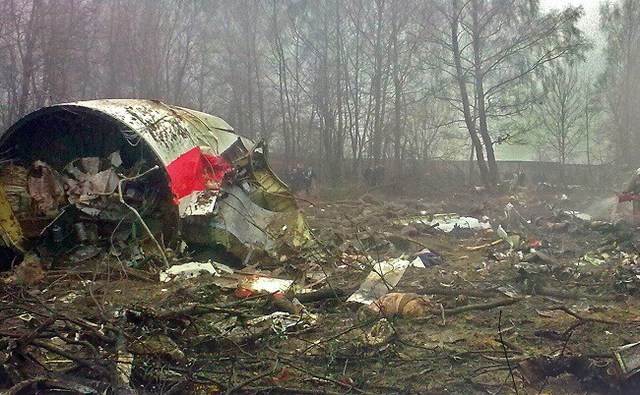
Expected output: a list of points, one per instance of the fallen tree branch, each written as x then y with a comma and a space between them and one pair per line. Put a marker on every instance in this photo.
248, 381
196, 310
24, 340
322, 294
506, 354
543, 291
349, 387
455, 292
581, 318
286, 390
52, 384
69, 356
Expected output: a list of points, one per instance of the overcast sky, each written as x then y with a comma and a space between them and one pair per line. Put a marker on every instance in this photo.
589, 23
587, 4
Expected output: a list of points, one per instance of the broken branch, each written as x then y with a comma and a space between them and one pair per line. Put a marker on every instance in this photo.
137, 214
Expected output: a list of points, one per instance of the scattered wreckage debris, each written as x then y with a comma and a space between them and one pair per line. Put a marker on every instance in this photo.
615, 372
271, 316
450, 222
149, 349
627, 358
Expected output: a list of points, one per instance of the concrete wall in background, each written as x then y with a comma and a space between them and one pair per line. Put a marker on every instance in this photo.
442, 173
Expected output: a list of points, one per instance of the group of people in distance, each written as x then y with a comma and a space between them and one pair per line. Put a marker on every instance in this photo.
301, 179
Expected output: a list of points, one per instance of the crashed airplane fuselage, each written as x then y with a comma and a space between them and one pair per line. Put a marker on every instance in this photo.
188, 172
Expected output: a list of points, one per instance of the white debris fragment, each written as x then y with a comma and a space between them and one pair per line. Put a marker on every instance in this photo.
269, 285
513, 240
579, 215
449, 222
382, 278
222, 268
187, 270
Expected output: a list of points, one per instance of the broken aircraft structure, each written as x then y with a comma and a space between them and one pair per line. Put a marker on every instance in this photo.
121, 171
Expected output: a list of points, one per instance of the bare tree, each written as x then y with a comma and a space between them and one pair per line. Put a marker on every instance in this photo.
561, 115
324, 80
492, 50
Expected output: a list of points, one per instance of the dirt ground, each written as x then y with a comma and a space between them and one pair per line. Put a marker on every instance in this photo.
541, 316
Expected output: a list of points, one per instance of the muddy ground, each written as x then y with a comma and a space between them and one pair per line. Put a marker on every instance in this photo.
503, 320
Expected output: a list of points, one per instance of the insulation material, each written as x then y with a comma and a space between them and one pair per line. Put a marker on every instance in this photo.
187, 270
262, 284
10, 232
14, 182
90, 178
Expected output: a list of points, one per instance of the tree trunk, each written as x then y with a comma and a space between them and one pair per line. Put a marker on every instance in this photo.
466, 106
481, 100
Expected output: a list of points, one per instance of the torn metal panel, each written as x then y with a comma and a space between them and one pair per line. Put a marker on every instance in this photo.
169, 130
197, 171
198, 204
46, 187
272, 192
256, 227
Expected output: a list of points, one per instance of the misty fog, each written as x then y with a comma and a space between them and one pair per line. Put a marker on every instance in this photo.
347, 84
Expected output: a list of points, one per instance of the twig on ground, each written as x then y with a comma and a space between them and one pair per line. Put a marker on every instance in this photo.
285, 390
248, 381
506, 354
581, 318
69, 356
327, 379
482, 246
322, 294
